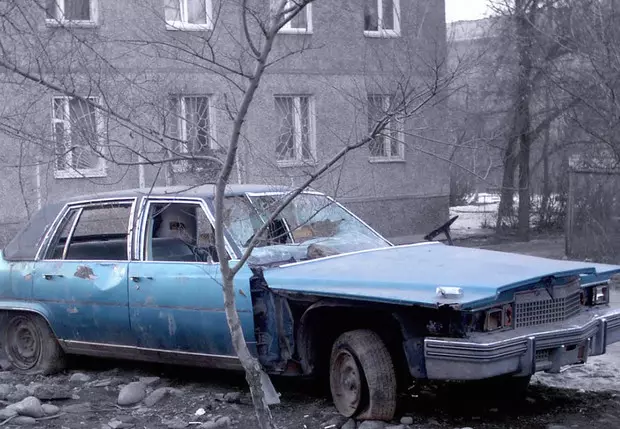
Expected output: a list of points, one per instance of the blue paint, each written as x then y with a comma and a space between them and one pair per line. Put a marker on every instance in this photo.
411, 274
86, 301
180, 306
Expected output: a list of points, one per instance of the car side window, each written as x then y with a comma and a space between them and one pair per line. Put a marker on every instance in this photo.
93, 232
179, 232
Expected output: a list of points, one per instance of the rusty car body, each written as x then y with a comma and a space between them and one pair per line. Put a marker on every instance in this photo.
134, 274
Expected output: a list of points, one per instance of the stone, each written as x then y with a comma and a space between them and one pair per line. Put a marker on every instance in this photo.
50, 410
158, 394
175, 423
131, 394
398, 427
149, 381
79, 408
5, 391
372, 424
30, 407
335, 422
51, 392
406, 420
24, 421
7, 412
79, 378
6, 375
233, 397
218, 396
208, 425
5, 365
20, 393
350, 424
223, 422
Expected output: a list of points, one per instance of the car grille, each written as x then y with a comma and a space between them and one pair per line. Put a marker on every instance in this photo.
537, 307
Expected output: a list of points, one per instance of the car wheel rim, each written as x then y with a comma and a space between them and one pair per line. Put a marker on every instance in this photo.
346, 383
24, 343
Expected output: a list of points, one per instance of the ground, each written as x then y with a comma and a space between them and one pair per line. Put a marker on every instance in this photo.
87, 394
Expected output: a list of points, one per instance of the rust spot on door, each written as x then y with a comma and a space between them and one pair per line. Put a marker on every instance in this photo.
85, 272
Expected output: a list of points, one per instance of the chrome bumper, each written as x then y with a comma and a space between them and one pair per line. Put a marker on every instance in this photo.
522, 351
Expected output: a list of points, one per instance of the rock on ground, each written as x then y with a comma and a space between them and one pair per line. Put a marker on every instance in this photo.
131, 394
158, 394
350, 424
30, 407
372, 424
50, 410
79, 378
83, 407
24, 421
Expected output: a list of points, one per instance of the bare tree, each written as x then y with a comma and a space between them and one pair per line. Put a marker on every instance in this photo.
119, 106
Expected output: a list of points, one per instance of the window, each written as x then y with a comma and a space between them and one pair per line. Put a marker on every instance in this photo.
179, 232
188, 14
382, 18
388, 146
192, 125
77, 130
301, 23
296, 139
78, 12
94, 232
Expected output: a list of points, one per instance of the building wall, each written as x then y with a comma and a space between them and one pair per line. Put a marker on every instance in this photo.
337, 65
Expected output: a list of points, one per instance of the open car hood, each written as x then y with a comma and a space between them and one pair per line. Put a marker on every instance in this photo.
411, 274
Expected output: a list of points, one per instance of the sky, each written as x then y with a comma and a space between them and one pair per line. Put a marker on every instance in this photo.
457, 10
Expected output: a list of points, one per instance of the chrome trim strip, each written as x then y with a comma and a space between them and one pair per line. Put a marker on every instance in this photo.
149, 354
71, 231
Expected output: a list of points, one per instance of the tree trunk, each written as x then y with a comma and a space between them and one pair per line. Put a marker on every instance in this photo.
506, 204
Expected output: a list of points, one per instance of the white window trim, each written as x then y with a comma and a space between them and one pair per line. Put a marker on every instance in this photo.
92, 22
400, 156
182, 166
386, 33
183, 25
299, 161
287, 29
72, 173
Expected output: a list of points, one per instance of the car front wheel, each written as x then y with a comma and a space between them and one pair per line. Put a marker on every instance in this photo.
30, 345
362, 377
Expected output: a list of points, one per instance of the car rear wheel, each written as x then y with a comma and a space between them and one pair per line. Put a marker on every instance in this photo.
30, 345
362, 377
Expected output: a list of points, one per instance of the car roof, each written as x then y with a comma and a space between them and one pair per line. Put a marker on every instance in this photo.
204, 191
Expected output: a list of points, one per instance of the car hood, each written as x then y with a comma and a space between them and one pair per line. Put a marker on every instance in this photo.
411, 274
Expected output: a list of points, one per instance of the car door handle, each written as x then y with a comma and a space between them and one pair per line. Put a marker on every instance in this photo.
51, 276
137, 279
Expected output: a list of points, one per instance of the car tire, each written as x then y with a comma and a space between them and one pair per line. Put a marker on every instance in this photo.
362, 377
30, 345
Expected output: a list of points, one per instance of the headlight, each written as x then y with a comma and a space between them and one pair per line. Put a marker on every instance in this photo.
498, 318
596, 295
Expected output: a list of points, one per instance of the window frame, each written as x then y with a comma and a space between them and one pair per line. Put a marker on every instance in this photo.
44, 249
297, 135
73, 173
288, 29
140, 237
382, 32
387, 140
63, 22
183, 25
182, 143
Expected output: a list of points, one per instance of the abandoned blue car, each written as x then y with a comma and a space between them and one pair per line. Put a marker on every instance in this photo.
134, 274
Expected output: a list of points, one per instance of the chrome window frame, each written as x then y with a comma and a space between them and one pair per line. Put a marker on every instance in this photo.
140, 235
51, 232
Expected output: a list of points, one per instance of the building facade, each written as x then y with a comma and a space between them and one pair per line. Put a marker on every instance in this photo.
143, 93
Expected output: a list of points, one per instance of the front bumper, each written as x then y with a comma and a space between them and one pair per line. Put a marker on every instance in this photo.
523, 351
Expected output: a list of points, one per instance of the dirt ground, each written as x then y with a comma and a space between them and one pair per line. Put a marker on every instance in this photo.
581, 397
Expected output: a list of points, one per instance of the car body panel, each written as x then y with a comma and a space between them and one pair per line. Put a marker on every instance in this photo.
180, 306
411, 274
87, 300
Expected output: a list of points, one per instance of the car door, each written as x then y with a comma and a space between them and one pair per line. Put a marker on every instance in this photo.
82, 273
175, 292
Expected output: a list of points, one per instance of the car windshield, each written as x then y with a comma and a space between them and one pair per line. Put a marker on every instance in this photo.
312, 226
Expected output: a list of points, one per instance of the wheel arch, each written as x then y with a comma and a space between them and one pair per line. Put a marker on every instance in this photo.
8, 307
323, 321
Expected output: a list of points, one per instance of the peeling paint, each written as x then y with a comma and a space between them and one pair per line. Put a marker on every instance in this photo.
117, 277
172, 326
72, 310
242, 293
85, 272
28, 277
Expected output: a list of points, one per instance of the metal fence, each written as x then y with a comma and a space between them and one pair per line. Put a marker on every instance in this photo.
593, 218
